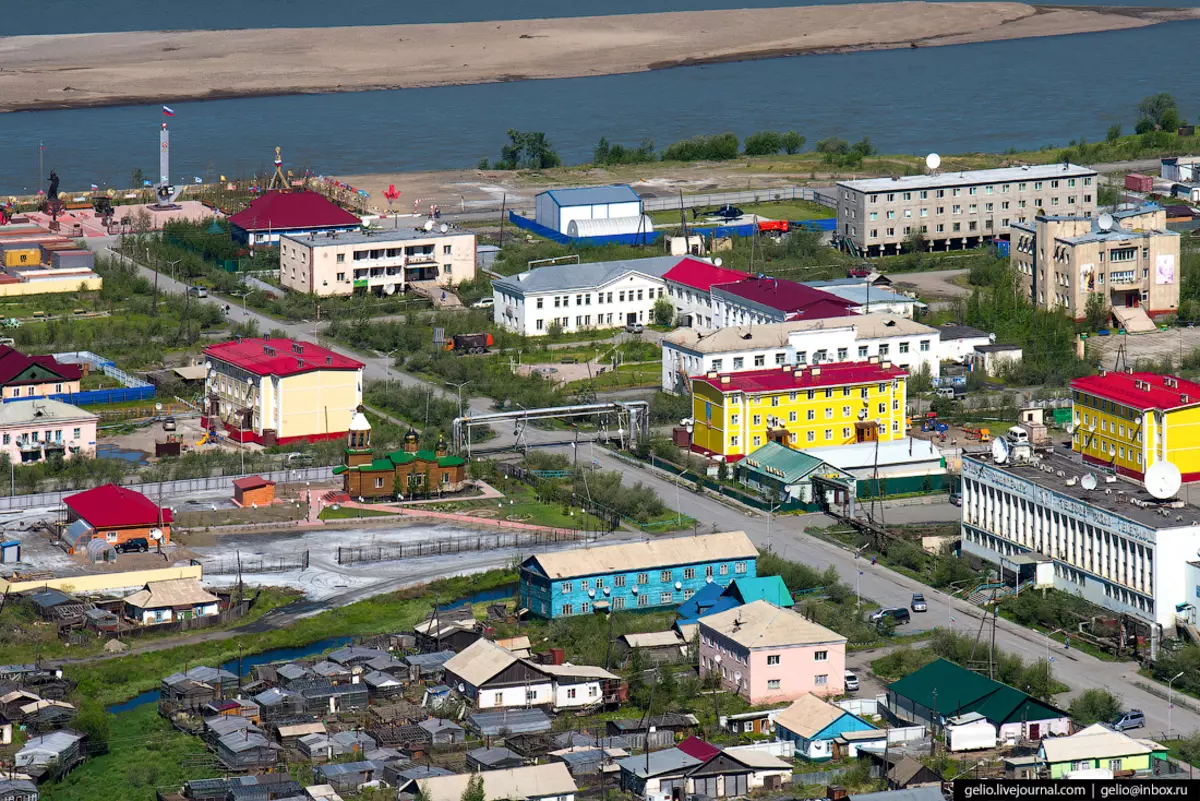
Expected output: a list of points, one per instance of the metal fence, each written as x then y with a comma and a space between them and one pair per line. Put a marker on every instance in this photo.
673, 202
182, 486
349, 555
259, 563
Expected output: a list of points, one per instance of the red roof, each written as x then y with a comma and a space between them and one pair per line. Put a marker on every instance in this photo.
702, 275
1141, 390
281, 357
821, 310
278, 211
827, 375
252, 482
13, 363
782, 295
111, 506
698, 749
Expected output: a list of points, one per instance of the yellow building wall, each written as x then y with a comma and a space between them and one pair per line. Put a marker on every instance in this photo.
1183, 441
314, 403
105, 582
813, 418
56, 287
1126, 438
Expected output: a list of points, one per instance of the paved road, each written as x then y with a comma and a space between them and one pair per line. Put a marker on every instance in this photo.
786, 536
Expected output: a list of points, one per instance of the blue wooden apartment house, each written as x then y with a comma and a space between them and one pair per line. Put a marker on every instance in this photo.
636, 575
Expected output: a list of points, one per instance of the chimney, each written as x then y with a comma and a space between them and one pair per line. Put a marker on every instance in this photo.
799, 372
724, 379
873, 360
886, 365
328, 360
711, 374
816, 371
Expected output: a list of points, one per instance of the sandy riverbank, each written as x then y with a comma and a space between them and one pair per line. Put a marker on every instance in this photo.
72, 70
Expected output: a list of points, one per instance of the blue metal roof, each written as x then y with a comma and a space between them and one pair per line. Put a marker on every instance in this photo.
593, 195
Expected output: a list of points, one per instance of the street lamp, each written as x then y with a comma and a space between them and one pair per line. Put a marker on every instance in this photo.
1050, 637
950, 590
858, 576
387, 363
689, 426
460, 389
1170, 704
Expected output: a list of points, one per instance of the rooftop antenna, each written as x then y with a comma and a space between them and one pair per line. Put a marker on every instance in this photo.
444, 228
933, 161
1163, 480
429, 225
1000, 450
1105, 221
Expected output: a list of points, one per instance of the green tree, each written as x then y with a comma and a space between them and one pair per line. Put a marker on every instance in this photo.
916, 242
137, 176
664, 311
1114, 133
1161, 110
792, 142
718, 147
93, 721
527, 150
1038, 680
1095, 706
1096, 311
1189, 748
554, 330
763, 143
474, 790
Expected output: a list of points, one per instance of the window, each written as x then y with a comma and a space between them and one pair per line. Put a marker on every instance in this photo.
842, 354
570, 692
821, 656
772, 684
733, 441
379, 482
829, 433
584, 608
341, 259
618, 603
666, 597
758, 419
738, 363
845, 411
772, 659
665, 575
689, 572
76, 433
643, 578
862, 352
792, 417
567, 609
735, 419
643, 600
618, 581
716, 365
739, 567
539, 325
812, 436
724, 570
811, 414
846, 432
445, 250
821, 679
924, 345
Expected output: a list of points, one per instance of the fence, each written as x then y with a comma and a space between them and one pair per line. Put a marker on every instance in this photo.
134, 389
610, 518
350, 555
673, 202
638, 238
182, 486
256, 564
829, 776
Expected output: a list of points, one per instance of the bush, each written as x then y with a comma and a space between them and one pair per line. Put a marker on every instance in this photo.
606, 154
763, 143
1095, 706
718, 147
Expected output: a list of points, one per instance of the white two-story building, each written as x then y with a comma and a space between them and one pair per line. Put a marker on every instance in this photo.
607, 294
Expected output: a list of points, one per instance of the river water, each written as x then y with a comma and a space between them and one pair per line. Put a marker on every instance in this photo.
981, 97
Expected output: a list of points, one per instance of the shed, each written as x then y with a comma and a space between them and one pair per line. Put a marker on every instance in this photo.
442, 731
493, 759
813, 724
512, 721
253, 491
348, 775
10, 552
557, 208
787, 473
610, 226
970, 731
246, 750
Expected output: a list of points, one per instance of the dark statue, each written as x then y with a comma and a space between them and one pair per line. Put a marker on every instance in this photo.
53, 193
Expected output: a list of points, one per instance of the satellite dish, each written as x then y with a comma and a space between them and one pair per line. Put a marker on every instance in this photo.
209, 365
634, 590
390, 289
717, 659
443, 228
156, 534
717, 262
679, 585
737, 676
1163, 480
591, 593
607, 591
933, 161
158, 407
1105, 221
708, 579
1088, 482
1000, 450
1071, 428
429, 225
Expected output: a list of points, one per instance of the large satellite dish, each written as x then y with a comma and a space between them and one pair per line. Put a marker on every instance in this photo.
156, 534
933, 161
1000, 450
1105, 221
429, 225
1163, 480
443, 228
1088, 482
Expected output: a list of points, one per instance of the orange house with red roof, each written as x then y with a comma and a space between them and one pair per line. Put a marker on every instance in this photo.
114, 514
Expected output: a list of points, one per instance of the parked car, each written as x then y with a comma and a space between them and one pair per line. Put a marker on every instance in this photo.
133, 545
1133, 719
169, 424
634, 328
484, 303
850, 681
898, 614
944, 392
956, 498
198, 291
299, 458
918, 603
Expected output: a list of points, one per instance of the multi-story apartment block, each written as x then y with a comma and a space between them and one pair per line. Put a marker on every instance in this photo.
830, 404
1130, 421
1112, 545
640, 575
910, 345
1132, 264
578, 297
957, 210
382, 262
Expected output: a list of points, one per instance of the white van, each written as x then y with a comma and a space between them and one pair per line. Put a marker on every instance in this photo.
1017, 435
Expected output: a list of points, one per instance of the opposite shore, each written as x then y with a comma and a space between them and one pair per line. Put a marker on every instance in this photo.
105, 69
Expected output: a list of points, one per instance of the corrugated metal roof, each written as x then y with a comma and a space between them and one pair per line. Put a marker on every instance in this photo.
593, 195
866, 454
578, 277
763, 625
516, 721
907, 183
808, 715
666, 761
654, 554
792, 465
480, 661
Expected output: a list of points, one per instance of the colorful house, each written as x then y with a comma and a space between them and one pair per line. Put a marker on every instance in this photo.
273, 391
813, 724
830, 404
767, 654
400, 474
1130, 421
1099, 748
35, 430
715, 598
642, 575
171, 600
253, 491
115, 514
24, 376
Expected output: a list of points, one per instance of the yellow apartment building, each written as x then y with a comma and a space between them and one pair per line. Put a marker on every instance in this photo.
276, 391
1129, 421
828, 404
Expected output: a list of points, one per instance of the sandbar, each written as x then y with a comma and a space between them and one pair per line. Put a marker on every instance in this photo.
99, 69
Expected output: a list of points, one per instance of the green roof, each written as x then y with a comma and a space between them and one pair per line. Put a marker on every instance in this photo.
781, 463
451, 461
378, 465
401, 457
763, 588
341, 468
960, 691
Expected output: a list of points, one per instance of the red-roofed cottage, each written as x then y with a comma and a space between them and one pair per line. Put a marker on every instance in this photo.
275, 213
24, 376
275, 391
114, 514
773, 300
689, 286
253, 491
1129, 421
829, 404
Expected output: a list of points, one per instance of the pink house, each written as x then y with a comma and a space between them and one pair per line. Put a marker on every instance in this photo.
768, 654
37, 429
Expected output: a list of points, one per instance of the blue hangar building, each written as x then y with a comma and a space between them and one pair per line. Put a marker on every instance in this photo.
636, 575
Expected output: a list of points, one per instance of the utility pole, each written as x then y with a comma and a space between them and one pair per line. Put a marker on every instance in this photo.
933, 727
154, 266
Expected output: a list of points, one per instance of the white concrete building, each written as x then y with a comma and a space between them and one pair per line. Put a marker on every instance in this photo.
1112, 545
382, 261
578, 685
868, 298
958, 342
558, 208
689, 286
689, 352
607, 294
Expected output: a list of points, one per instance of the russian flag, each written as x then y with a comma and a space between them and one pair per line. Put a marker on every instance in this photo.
94, 187
167, 110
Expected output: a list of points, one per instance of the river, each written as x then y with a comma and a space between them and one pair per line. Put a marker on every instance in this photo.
980, 97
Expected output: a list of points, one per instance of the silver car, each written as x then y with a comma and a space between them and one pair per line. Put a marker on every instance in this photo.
918, 603
850, 681
1133, 719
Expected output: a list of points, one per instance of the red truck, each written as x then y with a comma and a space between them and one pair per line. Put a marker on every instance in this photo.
470, 343
1137, 182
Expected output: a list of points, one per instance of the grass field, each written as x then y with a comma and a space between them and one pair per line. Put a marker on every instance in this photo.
350, 513
624, 377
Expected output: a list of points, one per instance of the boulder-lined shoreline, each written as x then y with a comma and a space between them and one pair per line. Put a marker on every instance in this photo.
105, 69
